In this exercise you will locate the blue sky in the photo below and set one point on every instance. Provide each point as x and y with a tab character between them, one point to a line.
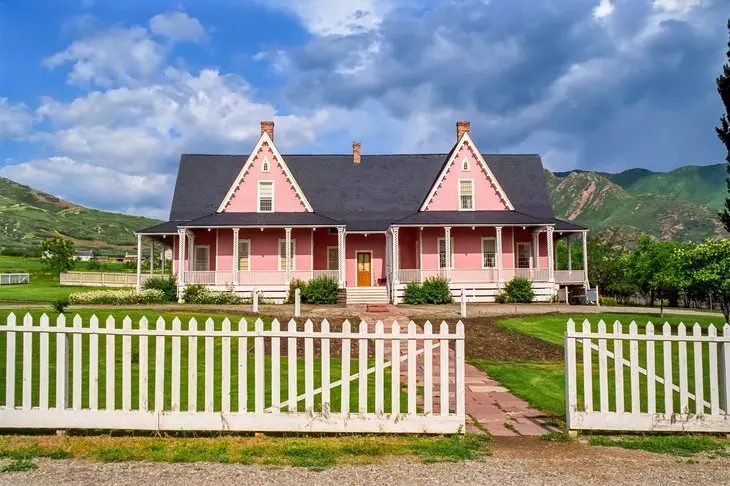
98	98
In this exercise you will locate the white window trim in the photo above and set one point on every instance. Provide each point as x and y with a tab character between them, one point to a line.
473	195
465	160
195	257
293	253
247	256
438	251
265	165
328	257
528	244
494	239
258	197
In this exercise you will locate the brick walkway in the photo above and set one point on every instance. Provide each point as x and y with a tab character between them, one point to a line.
489	406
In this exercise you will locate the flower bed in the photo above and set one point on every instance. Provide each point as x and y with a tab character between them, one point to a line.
117	297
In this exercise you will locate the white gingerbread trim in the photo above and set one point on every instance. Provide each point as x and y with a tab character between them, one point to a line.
464	139
265	139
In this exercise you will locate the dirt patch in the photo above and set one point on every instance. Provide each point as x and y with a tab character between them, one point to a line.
486	340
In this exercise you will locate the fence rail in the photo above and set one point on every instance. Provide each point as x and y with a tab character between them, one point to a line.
670	381
14	278
269	378
101	279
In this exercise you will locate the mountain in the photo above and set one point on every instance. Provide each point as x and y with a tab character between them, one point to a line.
28	215
679	205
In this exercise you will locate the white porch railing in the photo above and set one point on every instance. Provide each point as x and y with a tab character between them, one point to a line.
570	276
531	274
350	379
14	278
254	277
473	275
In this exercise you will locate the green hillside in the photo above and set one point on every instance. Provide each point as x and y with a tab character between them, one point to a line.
27	216
680	205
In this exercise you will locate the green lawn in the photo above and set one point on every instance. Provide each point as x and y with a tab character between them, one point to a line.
542	384
335	366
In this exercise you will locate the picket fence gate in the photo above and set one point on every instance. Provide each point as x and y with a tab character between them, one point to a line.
663	366
155	377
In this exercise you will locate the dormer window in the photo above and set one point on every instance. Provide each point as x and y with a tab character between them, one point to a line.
265	167
266	196
465	166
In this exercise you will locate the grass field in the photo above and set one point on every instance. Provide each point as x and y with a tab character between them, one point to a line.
542	384
335	366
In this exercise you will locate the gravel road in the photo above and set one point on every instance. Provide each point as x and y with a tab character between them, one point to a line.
511	463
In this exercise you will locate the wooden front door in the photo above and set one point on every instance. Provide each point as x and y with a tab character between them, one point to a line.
364	270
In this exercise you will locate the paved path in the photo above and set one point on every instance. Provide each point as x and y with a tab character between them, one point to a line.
489	407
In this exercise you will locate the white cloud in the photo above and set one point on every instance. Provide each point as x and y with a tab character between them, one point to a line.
676	6
15	119
177	26
336	17
603	9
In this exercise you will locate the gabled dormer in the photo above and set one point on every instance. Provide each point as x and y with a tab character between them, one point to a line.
265	184
466	182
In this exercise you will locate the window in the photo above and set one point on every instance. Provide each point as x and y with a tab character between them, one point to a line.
333	261
282	254
442	253
202	258
466	194
465	165
489	253
244	255
266	197
265	165
523	255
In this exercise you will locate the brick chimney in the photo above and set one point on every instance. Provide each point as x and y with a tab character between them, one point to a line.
268	127
462	127
356	152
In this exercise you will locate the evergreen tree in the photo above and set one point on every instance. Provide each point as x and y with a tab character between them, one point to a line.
723	131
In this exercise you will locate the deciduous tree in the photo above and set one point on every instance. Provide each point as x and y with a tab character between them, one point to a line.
57	254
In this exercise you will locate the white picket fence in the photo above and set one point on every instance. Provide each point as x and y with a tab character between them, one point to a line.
152	386
14	278
101	279
670	382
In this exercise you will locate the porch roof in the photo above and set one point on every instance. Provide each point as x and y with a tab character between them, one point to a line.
255	220
166	228
561	225
473	218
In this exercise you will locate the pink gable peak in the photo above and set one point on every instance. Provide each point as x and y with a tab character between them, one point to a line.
265	167
466	166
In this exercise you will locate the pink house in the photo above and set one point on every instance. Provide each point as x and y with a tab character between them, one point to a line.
373	223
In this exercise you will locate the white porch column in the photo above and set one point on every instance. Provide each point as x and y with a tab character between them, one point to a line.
396	256
585	256
447	248
152	258
181	257
191	251
287	232
550	252
139	262
570	253
499	258
536	248
236	256
341	257
162	260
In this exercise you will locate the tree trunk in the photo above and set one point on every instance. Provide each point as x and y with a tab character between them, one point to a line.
661	302
651	297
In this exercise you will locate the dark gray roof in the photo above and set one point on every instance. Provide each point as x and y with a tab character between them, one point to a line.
167	227
261	219
466	218
84	253
561	225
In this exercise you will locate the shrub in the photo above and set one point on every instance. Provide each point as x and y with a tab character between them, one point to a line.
293	286
500	298
194	293
413	294
168	286
117	297
609	301
321	290
59	305
197	294
519	291
93	266
436	291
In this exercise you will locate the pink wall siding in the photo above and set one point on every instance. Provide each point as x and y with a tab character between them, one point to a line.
225	249
508	252
322	239
543	250
467	246
207	238
245	199
446	197
373	242
408	243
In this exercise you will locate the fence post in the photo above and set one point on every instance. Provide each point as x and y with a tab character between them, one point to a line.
571	395
463	303
297	303
724	375
255	297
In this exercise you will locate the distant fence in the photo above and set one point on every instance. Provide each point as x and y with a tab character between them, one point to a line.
670	381
247	381
100	279
14	278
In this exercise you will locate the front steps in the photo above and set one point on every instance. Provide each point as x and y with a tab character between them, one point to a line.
366	295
